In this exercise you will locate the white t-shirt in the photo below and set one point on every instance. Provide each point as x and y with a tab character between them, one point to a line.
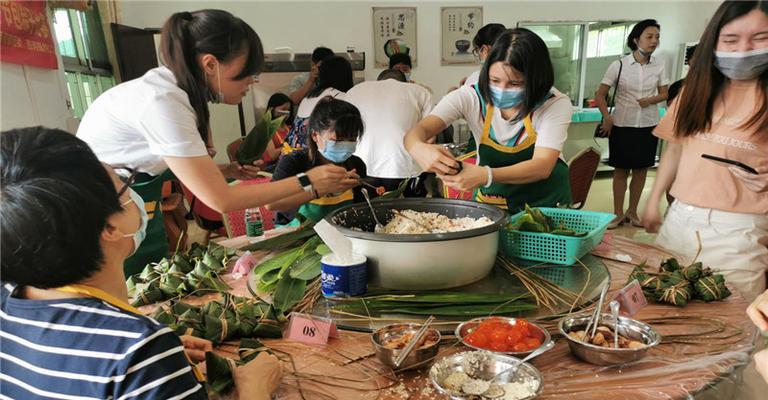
308	103
550	120
637	81
472	78
137	123
389	108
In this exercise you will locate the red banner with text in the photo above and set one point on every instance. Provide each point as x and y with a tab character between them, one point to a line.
26	34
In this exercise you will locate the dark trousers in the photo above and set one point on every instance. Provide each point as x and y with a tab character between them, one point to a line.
416	187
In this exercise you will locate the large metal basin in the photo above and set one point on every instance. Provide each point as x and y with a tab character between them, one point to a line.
427	261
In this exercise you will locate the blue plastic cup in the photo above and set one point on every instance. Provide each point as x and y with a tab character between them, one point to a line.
344	279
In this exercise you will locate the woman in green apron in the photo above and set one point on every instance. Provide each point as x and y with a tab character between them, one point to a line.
335	127
160	122
519	121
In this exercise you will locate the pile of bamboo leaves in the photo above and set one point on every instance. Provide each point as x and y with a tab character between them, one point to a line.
450	304
231	318
194	271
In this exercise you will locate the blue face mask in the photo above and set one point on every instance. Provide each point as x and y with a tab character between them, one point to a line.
141	233
407	77
506	98
338	151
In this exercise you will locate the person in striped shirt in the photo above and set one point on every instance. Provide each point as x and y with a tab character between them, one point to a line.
67	223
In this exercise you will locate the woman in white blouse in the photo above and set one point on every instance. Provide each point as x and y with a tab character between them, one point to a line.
641	83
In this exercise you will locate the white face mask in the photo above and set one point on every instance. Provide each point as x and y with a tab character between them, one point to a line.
742	65
141	233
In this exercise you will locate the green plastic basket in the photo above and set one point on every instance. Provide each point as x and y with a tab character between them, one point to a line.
556	249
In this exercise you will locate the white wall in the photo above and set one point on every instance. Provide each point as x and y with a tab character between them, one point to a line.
34	96
304	25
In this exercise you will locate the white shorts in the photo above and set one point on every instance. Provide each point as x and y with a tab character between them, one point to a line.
736	244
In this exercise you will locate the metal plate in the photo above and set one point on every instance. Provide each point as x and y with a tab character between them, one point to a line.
573	278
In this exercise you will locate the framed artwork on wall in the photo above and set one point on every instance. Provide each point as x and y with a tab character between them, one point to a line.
459	26
394	31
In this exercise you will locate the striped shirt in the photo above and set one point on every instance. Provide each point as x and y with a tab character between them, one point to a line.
84	348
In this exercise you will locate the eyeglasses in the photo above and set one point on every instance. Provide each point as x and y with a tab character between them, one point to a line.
128	181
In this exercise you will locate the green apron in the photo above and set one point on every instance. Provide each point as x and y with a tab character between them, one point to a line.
155	244
317	209
550	192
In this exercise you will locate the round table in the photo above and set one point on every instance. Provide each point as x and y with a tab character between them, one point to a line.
346	368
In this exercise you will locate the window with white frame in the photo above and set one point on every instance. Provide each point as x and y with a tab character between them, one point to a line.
581	52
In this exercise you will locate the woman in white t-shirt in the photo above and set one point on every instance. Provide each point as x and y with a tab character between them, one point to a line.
519	121
334	79
161	121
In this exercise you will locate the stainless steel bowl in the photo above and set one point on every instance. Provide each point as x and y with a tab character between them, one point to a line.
629	328
465	328
417	358
483	365
422	261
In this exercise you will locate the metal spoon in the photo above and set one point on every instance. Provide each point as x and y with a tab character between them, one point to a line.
379	227
499	392
595	320
412	343
614	305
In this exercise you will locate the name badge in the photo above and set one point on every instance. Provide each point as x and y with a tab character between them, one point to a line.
310	329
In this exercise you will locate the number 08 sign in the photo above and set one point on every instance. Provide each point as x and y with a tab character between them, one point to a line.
310	329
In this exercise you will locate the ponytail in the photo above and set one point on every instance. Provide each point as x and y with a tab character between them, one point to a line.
186	35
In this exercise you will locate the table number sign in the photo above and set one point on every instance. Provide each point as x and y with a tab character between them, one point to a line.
310	329
631	298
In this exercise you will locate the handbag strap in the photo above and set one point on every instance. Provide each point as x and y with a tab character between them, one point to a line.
616	89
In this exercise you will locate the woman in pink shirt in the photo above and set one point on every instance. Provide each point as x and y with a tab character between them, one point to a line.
723	112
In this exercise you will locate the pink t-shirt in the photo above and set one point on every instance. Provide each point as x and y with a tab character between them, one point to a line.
703	183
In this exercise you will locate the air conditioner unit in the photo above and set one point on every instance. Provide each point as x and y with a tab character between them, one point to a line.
686	50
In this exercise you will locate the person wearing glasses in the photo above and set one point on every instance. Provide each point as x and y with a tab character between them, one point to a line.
520	122
160	123
66	331
481	46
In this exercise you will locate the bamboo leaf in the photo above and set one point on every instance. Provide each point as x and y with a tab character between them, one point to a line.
219	373
288	292
285	240
306	268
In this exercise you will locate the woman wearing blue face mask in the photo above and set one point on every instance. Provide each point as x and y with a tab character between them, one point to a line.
520	122
334	126
720	213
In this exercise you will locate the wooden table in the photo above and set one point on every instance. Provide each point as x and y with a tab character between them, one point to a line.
347	369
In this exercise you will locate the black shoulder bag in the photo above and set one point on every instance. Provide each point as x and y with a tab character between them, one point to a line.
598	132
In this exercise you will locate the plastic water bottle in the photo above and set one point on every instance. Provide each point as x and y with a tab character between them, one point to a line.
254	223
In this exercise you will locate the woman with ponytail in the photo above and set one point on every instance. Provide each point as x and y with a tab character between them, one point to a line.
160	124
335	127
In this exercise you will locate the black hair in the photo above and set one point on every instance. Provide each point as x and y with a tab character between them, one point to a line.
400	58
704	83
278	99
320	54
638	30
524	51
487	35
337	115
335	72
392	73
186	35
56	199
